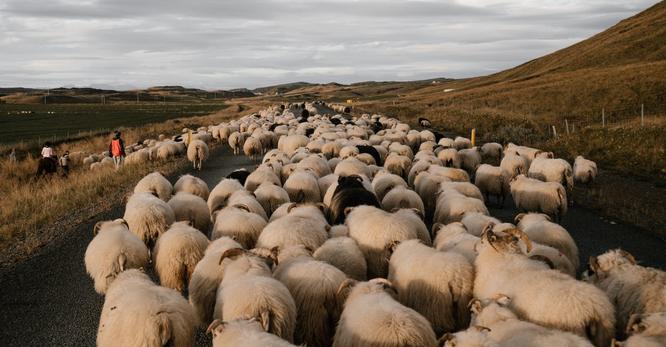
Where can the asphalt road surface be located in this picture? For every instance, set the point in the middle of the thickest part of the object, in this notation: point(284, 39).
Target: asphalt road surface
point(49, 299)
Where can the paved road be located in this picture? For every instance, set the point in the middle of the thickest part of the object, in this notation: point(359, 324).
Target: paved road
point(49, 299)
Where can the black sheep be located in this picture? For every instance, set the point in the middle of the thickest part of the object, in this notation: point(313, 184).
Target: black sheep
point(239, 175)
point(372, 151)
point(349, 193)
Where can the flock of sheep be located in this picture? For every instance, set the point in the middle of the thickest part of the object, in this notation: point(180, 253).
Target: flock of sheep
point(326, 243)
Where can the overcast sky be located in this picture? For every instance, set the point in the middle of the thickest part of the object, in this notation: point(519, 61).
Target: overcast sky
point(227, 44)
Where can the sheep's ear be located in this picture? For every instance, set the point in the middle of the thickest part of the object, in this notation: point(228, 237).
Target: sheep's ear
point(447, 340)
point(124, 222)
point(481, 329)
point(475, 306)
point(345, 287)
point(96, 228)
point(386, 285)
point(502, 300)
point(348, 210)
point(628, 256)
point(215, 328)
point(518, 218)
point(487, 229)
point(593, 264)
point(233, 252)
point(616, 343)
point(391, 246)
point(636, 324)
point(436, 228)
point(291, 206)
point(418, 213)
point(321, 207)
point(242, 207)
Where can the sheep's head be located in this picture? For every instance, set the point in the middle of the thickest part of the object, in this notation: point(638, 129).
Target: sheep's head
point(102, 225)
point(351, 289)
point(506, 242)
point(476, 336)
point(490, 311)
point(598, 267)
point(649, 324)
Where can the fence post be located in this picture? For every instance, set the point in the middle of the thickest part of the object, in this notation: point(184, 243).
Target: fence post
point(473, 137)
point(566, 124)
point(642, 114)
point(603, 118)
point(554, 132)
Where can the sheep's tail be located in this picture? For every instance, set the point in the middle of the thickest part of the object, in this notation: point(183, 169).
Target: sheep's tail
point(163, 329)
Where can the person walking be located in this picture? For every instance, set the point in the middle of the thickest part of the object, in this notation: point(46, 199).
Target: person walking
point(47, 151)
point(117, 149)
point(64, 163)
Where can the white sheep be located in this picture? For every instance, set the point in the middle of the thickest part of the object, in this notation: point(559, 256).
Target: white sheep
point(191, 208)
point(505, 327)
point(113, 250)
point(302, 186)
point(584, 170)
point(193, 185)
point(436, 284)
point(248, 201)
point(252, 147)
point(452, 205)
point(513, 165)
point(454, 237)
point(373, 318)
point(563, 302)
point(243, 332)
point(249, 291)
point(470, 159)
point(376, 230)
point(490, 181)
point(491, 153)
point(236, 141)
point(154, 183)
point(315, 296)
point(148, 217)
point(475, 222)
point(449, 158)
point(398, 164)
point(461, 143)
point(646, 330)
point(401, 197)
point(633, 288)
point(385, 182)
point(237, 222)
point(528, 153)
point(197, 153)
point(206, 277)
point(536, 196)
point(271, 196)
point(540, 229)
point(352, 166)
point(220, 194)
point(453, 174)
point(552, 170)
point(176, 253)
point(475, 336)
point(137, 312)
point(303, 225)
point(264, 173)
point(343, 253)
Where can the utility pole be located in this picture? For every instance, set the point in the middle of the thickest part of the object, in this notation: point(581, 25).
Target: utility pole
point(137, 98)
point(603, 118)
point(642, 114)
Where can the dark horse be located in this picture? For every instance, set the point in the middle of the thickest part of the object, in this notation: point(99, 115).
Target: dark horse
point(46, 166)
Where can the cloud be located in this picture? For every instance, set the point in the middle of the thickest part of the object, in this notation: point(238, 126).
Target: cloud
point(226, 44)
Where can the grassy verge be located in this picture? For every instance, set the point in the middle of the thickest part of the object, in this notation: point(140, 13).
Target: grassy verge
point(36, 211)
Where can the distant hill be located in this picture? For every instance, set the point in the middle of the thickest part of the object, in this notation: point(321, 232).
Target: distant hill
point(75, 95)
point(281, 88)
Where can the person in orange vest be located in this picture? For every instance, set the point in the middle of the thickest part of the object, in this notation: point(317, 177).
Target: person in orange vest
point(117, 149)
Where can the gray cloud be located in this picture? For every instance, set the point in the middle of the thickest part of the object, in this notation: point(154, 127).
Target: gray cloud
point(226, 44)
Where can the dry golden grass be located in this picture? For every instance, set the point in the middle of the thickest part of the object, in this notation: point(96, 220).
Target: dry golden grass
point(34, 211)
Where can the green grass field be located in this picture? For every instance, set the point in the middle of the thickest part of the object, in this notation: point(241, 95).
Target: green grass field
point(68, 120)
